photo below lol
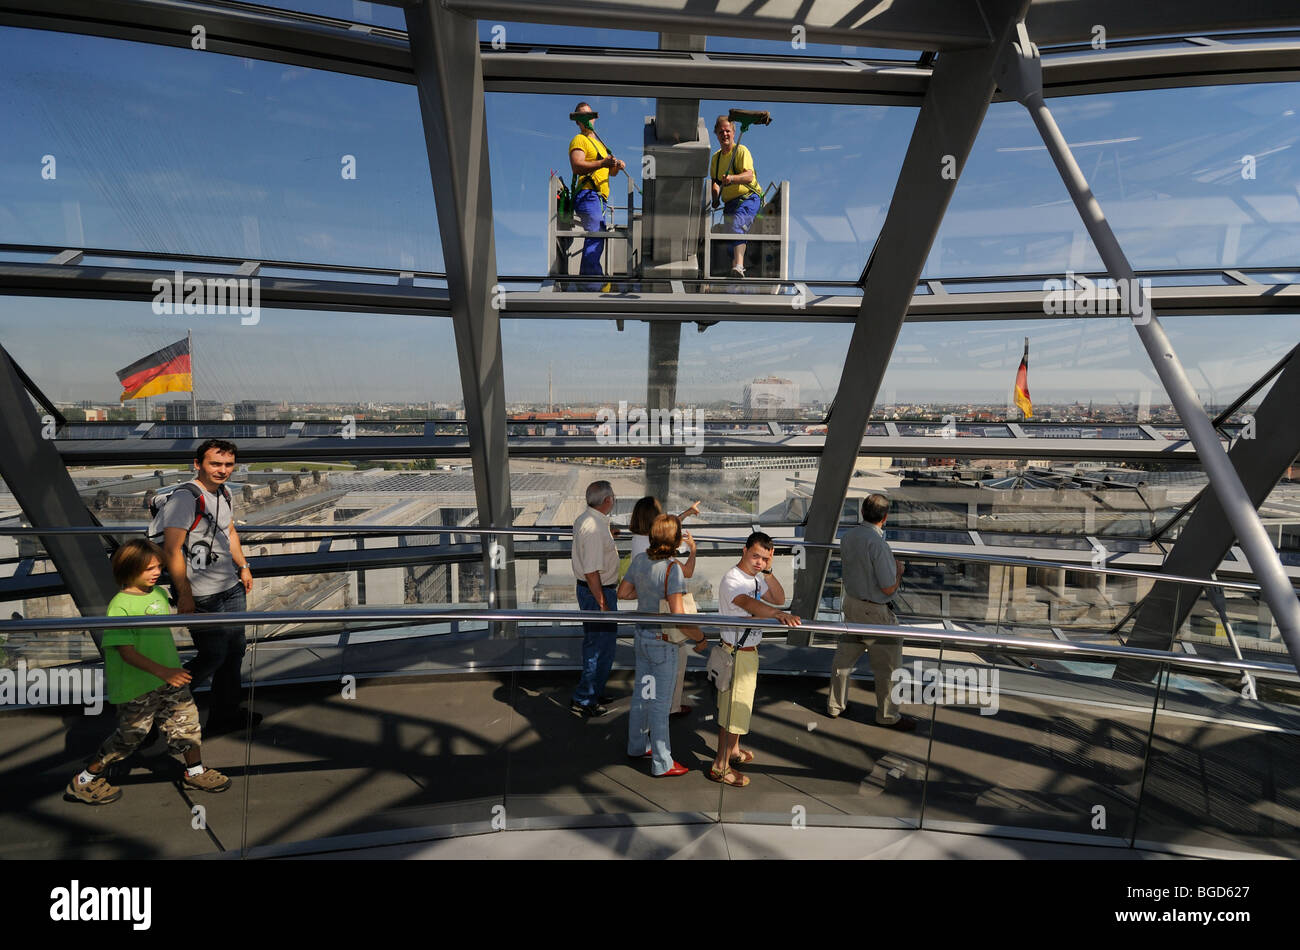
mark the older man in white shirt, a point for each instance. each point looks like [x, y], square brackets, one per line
[595, 568]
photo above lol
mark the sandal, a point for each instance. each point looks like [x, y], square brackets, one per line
[728, 777]
[743, 757]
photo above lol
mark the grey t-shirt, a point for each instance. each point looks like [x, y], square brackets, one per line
[868, 564]
[209, 563]
[647, 577]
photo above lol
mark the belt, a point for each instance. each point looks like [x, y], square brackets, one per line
[735, 649]
[875, 603]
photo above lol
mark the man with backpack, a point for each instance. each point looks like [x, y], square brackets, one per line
[209, 574]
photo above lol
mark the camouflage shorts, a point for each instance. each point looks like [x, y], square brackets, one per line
[174, 710]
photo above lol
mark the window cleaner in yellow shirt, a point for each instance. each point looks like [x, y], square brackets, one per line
[734, 183]
[592, 164]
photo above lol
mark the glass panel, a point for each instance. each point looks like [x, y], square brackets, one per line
[286, 365]
[841, 162]
[590, 39]
[56, 718]
[556, 496]
[1041, 748]
[596, 781]
[384, 736]
[144, 263]
[1191, 280]
[216, 155]
[804, 49]
[1174, 199]
[731, 372]
[1221, 776]
[991, 286]
[815, 769]
[357, 11]
[1088, 377]
[26, 257]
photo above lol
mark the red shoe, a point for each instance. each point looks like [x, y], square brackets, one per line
[677, 769]
[648, 753]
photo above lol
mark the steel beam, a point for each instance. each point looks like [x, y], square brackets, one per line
[449, 77]
[950, 118]
[295, 38]
[291, 293]
[1206, 538]
[329, 43]
[36, 476]
[131, 450]
[1020, 74]
[829, 303]
[1074, 21]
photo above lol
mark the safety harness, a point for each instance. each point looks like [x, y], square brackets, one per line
[731, 166]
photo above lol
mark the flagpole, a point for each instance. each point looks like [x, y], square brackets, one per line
[194, 404]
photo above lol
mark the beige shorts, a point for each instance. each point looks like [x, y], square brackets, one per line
[736, 705]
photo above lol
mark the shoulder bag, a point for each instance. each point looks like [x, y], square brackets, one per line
[675, 634]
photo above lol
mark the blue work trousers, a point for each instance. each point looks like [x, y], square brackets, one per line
[590, 210]
[598, 642]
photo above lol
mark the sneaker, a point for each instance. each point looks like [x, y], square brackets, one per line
[94, 792]
[737, 272]
[594, 711]
[209, 780]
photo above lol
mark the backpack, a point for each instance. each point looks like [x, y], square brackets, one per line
[158, 502]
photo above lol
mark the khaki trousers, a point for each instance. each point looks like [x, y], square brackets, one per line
[885, 655]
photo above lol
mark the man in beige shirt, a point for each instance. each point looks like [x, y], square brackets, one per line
[595, 568]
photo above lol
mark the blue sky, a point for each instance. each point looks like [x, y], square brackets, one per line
[192, 152]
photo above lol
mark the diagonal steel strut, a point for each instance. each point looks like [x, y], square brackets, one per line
[1020, 75]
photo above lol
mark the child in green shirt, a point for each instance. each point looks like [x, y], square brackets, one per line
[145, 681]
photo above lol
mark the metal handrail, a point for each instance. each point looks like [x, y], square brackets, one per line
[562, 531]
[914, 635]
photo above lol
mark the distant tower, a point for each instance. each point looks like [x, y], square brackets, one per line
[550, 390]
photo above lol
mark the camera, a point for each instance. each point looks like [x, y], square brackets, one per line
[201, 556]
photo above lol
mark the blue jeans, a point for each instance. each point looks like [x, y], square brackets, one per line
[738, 217]
[652, 695]
[598, 642]
[590, 210]
[221, 652]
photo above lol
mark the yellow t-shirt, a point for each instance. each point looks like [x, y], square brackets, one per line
[736, 163]
[592, 150]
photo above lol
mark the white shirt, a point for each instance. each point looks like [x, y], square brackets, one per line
[734, 583]
[594, 549]
[640, 544]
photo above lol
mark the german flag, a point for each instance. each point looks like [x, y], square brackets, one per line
[1022, 385]
[167, 371]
